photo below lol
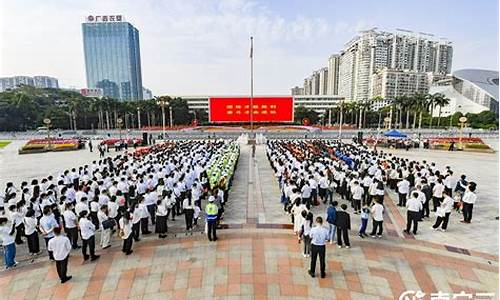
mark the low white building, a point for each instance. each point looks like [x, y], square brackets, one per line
[469, 91]
[319, 103]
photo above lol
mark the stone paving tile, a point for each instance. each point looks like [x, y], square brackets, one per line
[348, 277]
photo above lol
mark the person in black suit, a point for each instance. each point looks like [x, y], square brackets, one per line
[343, 223]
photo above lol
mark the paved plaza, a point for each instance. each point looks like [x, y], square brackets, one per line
[258, 257]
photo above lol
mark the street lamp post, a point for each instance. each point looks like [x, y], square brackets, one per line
[341, 118]
[251, 87]
[462, 121]
[170, 115]
[162, 102]
[119, 123]
[47, 123]
[139, 118]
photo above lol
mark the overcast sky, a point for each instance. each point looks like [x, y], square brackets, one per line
[202, 47]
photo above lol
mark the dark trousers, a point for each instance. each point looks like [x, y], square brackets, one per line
[152, 212]
[412, 217]
[364, 222]
[73, 236]
[377, 225]
[369, 199]
[426, 209]
[127, 244]
[177, 208]
[33, 243]
[356, 204]
[90, 243]
[136, 228]
[467, 210]
[443, 220]
[144, 225]
[19, 233]
[212, 230]
[315, 251]
[51, 255]
[342, 235]
[365, 194]
[402, 199]
[188, 216]
[436, 202]
[307, 244]
[62, 268]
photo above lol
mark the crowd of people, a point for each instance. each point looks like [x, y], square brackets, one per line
[125, 196]
[311, 172]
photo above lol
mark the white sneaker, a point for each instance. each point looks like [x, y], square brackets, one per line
[443, 230]
[339, 246]
[305, 255]
[434, 228]
[347, 247]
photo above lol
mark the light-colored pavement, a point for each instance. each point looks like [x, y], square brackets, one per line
[17, 168]
[255, 262]
[482, 233]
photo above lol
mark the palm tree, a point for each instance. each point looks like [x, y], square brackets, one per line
[421, 104]
[405, 103]
[364, 107]
[440, 100]
[399, 102]
[378, 99]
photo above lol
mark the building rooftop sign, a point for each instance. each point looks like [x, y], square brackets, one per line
[104, 19]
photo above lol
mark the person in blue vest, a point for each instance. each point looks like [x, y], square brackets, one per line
[211, 211]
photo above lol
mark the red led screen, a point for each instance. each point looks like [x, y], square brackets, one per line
[237, 109]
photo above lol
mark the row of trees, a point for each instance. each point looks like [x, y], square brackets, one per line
[25, 108]
[405, 112]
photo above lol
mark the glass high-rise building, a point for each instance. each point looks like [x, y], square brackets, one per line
[112, 57]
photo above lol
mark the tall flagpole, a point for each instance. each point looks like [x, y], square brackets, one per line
[251, 87]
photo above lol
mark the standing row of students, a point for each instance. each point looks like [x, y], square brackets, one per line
[120, 196]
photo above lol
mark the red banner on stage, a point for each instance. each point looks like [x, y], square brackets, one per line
[237, 109]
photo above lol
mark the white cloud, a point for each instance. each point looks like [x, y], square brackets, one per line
[187, 47]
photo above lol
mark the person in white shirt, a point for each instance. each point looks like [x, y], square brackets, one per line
[443, 212]
[188, 208]
[16, 217]
[126, 233]
[437, 194]
[150, 201]
[87, 231]
[414, 206]
[47, 225]
[7, 233]
[306, 193]
[306, 230]
[81, 206]
[113, 211]
[377, 212]
[102, 215]
[357, 192]
[143, 210]
[61, 247]
[323, 185]
[136, 221]
[319, 236]
[468, 201]
[31, 232]
[403, 190]
[161, 219]
[70, 225]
